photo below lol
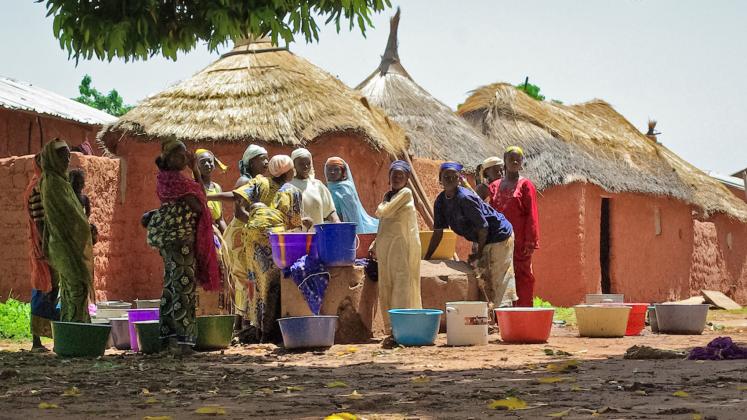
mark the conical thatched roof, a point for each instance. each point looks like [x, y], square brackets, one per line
[433, 129]
[258, 92]
[591, 142]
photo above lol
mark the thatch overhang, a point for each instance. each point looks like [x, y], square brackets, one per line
[591, 143]
[433, 129]
[257, 92]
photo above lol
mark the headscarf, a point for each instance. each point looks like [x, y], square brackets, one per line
[515, 149]
[250, 153]
[220, 164]
[490, 162]
[67, 233]
[454, 166]
[280, 164]
[171, 186]
[168, 144]
[304, 153]
[347, 202]
[41, 278]
[400, 165]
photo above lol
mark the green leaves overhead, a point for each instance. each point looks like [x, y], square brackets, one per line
[111, 103]
[139, 29]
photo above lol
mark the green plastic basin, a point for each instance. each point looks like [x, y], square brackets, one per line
[78, 339]
[149, 336]
[214, 332]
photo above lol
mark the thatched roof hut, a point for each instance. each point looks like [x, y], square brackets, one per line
[433, 129]
[257, 92]
[591, 143]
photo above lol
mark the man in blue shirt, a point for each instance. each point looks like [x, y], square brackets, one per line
[462, 211]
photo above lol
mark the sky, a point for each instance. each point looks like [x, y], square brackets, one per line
[681, 62]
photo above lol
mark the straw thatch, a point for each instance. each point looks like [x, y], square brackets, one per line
[591, 142]
[433, 129]
[258, 92]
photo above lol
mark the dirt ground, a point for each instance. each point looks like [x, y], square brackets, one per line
[264, 381]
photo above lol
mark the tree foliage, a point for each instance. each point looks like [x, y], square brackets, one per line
[111, 103]
[531, 90]
[139, 29]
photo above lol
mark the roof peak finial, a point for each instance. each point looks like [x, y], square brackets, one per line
[391, 55]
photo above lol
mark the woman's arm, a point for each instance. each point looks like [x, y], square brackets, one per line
[401, 199]
[435, 242]
[221, 196]
[531, 218]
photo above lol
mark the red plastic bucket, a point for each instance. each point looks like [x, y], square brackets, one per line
[637, 318]
[524, 325]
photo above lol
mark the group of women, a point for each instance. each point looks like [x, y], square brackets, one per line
[280, 194]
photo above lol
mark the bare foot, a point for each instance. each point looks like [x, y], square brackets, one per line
[39, 349]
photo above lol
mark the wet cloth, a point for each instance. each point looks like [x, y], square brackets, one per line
[348, 203]
[721, 348]
[172, 230]
[466, 214]
[398, 253]
[172, 186]
[519, 205]
[312, 279]
[67, 237]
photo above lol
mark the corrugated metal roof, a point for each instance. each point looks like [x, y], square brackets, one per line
[731, 181]
[24, 96]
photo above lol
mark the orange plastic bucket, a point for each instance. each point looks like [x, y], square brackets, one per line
[524, 325]
[637, 318]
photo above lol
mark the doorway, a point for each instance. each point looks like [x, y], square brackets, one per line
[604, 246]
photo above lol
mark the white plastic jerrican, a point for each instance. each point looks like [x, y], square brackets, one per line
[466, 323]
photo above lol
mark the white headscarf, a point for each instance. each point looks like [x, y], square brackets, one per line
[301, 152]
[251, 152]
[490, 162]
[280, 164]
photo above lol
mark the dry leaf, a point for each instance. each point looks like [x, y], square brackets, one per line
[354, 395]
[151, 400]
[554, 379]
[71, 392]
[697, 416]
[294, 388]
[681, 394]
[576, 388]
[158, 418]
[640, 392]
[510, 403]
[336, 384]
[47, 406]
[213, 410]
[741, 387]
[563, 367]
[145, 391]
[422, 379]
[560, 413]
[341, 416]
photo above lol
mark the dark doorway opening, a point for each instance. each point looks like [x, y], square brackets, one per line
[604, 246]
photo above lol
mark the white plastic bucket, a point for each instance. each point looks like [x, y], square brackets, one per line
[466, 323]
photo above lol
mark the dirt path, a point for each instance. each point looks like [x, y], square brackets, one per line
[426, 382]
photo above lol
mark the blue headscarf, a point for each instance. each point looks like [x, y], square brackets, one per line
[400, 165]
[348, 204]
[454, 166]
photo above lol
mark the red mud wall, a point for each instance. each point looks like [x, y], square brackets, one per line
[139, 267]
[719, 258]
[569, 233]
[23, 133]
[101, 187]
[644, 265]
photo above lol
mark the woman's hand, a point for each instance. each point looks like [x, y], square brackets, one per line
[528, 250]
[307, 223]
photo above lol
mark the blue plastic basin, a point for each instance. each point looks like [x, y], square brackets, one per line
[415, 327]
[335, 243]
[308, 331]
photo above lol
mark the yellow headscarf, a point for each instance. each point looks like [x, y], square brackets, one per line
[515, 149]
[220, 164]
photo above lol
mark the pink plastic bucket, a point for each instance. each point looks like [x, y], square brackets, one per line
[137, 315]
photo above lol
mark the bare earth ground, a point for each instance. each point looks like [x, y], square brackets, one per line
[264, 381]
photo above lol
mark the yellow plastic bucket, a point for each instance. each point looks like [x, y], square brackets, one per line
[445, 250]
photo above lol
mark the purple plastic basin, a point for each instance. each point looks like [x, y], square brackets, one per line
[137, 315]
